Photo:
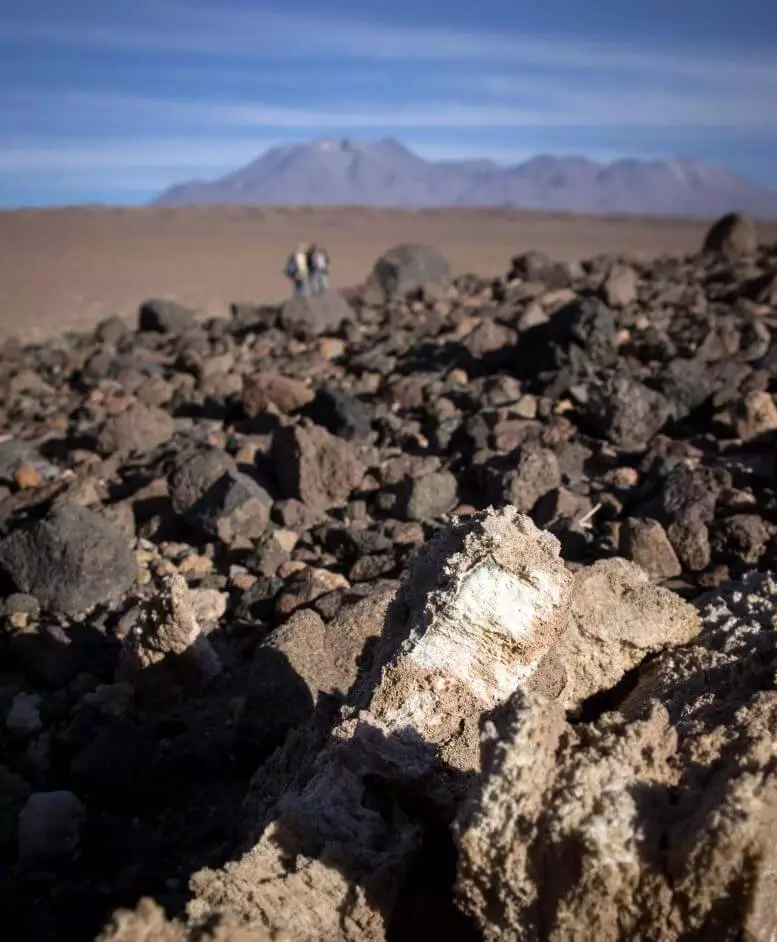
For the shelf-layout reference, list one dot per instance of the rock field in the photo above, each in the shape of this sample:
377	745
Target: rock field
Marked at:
436	608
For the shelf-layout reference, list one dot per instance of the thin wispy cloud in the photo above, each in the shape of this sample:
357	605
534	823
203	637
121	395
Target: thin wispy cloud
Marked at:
165	89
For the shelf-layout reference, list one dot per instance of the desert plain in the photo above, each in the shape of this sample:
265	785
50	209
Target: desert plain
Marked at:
65	269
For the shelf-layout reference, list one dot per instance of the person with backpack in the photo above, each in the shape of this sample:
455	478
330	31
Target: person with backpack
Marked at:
298	271
318	266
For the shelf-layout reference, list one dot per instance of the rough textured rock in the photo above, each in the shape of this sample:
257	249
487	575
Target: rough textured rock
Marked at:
264	390
535	474
314	466
306	318
481	605
733	235
148	923
645	543
626	412
617	618
754	415
409	269
135	431
70	561
164	317
652	822
164	646
428	496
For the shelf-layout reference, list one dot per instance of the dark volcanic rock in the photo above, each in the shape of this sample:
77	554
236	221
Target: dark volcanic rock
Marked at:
70	561
314	466
340	413
164	317
427	497
306	318
626	412
733	236
407	270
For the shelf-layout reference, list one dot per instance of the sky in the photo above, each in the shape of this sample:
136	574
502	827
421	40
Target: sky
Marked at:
114	100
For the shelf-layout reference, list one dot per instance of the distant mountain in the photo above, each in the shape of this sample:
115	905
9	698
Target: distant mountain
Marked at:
385	173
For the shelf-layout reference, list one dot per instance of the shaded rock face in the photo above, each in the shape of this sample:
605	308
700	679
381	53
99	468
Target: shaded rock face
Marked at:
409	269
70	561
733	235
314	466
164	317
645	821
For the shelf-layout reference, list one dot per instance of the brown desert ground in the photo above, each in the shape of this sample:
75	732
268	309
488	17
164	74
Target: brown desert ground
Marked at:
66	269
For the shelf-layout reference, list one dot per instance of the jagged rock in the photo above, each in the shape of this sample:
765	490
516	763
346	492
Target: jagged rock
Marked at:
314	466
652	822
645	542
164	317
148	923
50	825
480	607
263	390
626	412
733	235
754	415
310	317
407	270
536	474
617	618
71	560
135	431
164	645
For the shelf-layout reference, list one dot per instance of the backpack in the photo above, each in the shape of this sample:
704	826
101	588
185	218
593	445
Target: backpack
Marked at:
291	268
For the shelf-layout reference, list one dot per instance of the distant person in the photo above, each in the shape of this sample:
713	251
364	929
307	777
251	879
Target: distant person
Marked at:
318	266
298	271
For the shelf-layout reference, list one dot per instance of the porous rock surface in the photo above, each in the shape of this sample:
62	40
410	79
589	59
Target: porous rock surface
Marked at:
655	821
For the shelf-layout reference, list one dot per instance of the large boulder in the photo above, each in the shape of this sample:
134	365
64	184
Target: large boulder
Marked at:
733	236
408	270
70	561
164	317
652	821
308	317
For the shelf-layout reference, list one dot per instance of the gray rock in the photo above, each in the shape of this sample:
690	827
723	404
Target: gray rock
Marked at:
626	412
306	318
408	270
70	561
50	825
620	286
733	236
164	317
23	719
428	497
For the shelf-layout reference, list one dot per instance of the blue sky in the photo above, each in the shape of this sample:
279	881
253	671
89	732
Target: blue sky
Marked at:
111	101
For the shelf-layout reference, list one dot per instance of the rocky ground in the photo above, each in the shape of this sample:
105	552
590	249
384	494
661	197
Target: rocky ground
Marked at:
211	671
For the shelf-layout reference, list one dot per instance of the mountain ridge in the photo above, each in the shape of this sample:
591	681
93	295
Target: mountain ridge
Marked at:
334	171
